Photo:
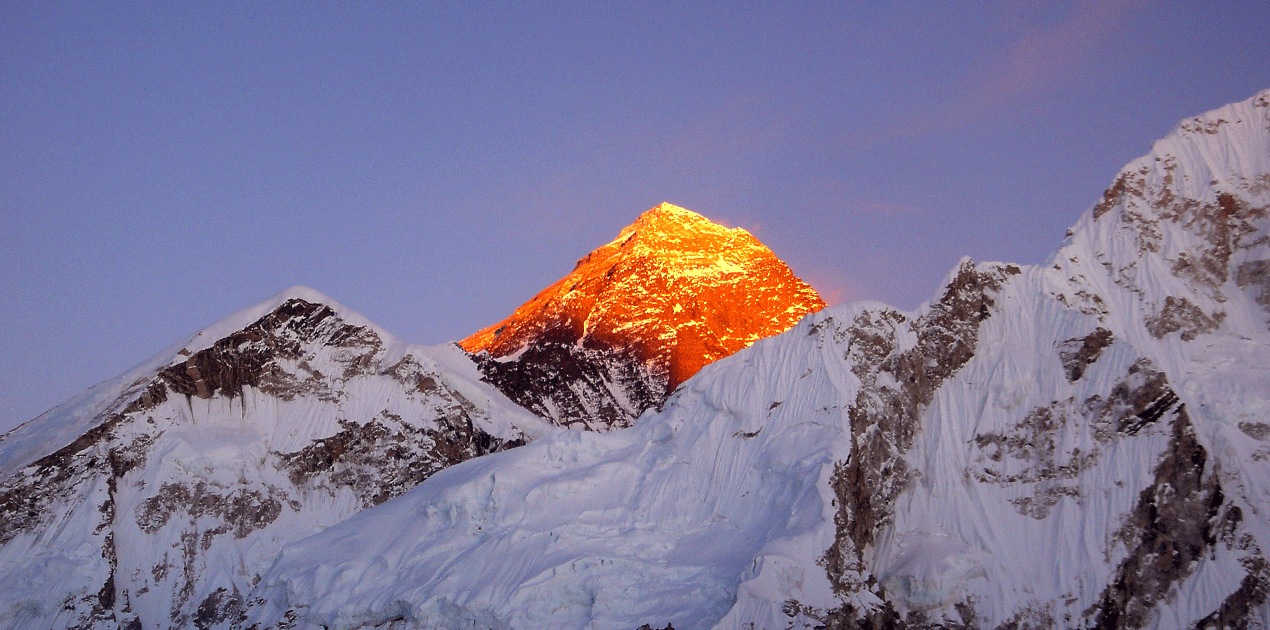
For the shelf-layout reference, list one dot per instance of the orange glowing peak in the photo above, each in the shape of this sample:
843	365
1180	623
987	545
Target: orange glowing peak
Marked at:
674	290
668	226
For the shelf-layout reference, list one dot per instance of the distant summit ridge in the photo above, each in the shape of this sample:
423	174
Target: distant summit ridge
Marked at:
638	316
671	229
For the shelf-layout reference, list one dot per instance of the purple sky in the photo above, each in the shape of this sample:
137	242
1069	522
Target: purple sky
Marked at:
432	165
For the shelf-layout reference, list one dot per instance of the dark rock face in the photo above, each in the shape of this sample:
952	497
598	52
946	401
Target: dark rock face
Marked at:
250	356
1238	609
885	419
1180	315
218	608
385	457
596	388
1078	353
1027	455
1255	275
241	511
1141	398
1171	529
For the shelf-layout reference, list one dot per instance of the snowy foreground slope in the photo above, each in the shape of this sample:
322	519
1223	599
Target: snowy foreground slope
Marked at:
156	500
1078	444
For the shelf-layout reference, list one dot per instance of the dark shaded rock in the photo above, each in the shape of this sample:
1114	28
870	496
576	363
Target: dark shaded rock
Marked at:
1124	185
1237	610
1037	460
1139	399
1169	530
383	458
1256	275
242	510
219	607
573	384
1076	354
1255	430
1179	314
248	358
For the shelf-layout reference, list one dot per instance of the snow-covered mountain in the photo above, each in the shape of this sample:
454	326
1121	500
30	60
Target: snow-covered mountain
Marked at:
1083	443
157	499
637	317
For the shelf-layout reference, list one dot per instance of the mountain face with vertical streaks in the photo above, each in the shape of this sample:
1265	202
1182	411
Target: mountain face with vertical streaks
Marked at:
1083	443
638	317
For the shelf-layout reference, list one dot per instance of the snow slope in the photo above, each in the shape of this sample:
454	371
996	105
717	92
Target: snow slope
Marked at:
1076	444
156	499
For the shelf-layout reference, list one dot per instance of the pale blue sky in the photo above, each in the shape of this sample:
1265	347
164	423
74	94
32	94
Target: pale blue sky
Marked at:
433	165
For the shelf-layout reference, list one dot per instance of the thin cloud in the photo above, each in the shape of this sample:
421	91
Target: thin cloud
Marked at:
1040	58
1039	61
733	131
882	208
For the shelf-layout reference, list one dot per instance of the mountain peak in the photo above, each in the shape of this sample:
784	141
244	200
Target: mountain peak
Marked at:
665	215
672	293
238	321
666	209
669	229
